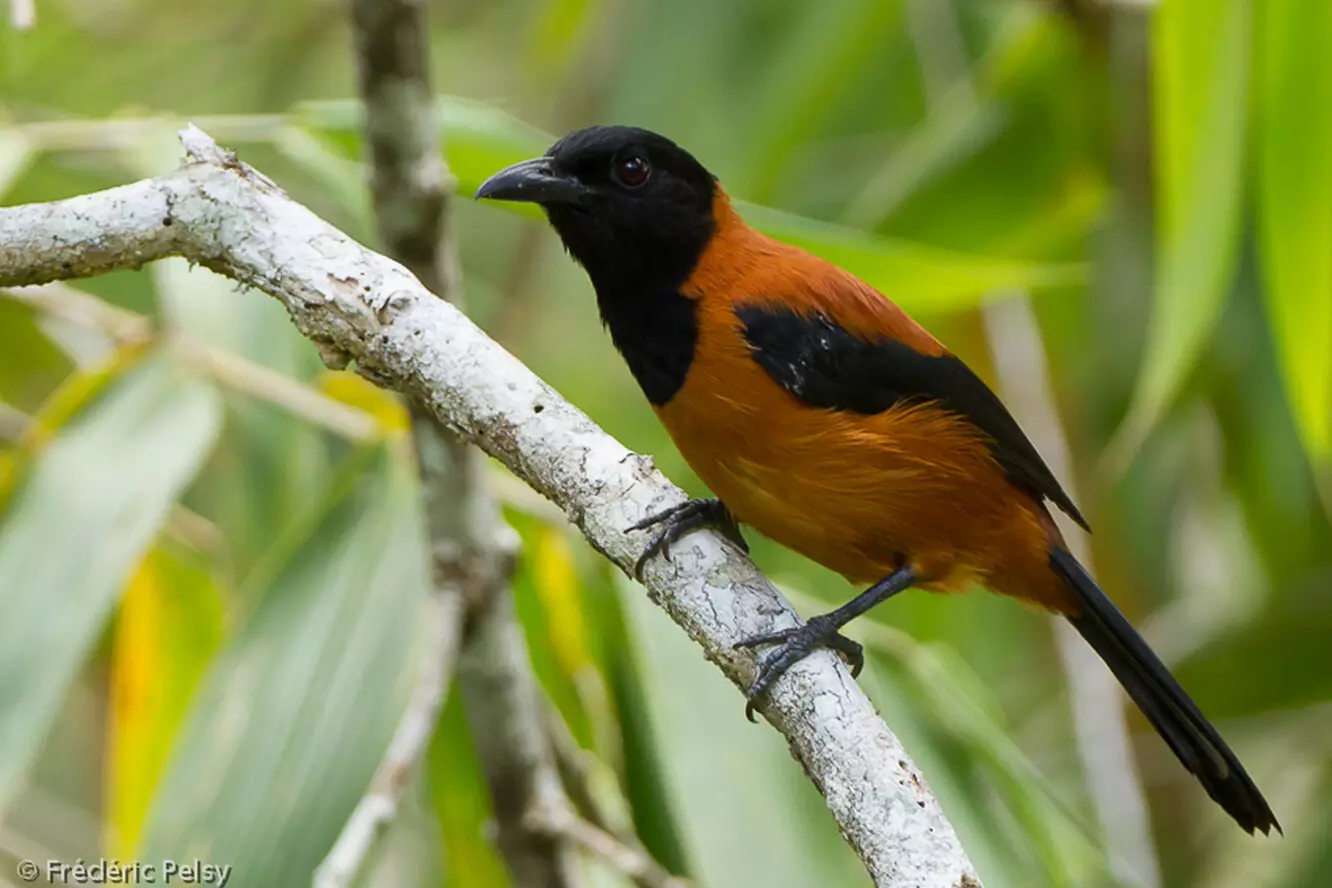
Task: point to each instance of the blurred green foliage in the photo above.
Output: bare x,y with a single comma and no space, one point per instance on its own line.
209,601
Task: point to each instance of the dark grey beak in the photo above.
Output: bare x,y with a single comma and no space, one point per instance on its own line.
532,181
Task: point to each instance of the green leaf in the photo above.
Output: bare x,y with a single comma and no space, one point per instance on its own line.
921,278
296,711
1263,665
169,625
547,600
1295,207
1201,53
954,132
30,363
82,517
462,803
832,42
632,754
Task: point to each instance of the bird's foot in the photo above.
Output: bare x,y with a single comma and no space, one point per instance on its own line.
796,644
680,520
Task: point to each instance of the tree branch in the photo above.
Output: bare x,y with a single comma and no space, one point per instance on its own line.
409,187
606,825
358,305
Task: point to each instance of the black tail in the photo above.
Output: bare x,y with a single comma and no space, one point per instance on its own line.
1194,741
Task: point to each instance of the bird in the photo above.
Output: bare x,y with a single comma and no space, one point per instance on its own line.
821,415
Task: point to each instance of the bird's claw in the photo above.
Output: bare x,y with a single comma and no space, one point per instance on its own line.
797,643
680,520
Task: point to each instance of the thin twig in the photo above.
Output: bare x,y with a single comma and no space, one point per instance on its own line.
227,217
23,14
83,308
595,792
634,863
229,368
280,390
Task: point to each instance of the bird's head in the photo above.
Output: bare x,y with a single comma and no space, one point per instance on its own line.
631,206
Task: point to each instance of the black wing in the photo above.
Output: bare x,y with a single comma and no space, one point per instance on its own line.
823,364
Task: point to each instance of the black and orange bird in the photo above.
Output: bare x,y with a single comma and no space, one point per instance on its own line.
824,417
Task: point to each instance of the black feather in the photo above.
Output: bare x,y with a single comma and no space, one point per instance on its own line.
1176,718
825,365
656,333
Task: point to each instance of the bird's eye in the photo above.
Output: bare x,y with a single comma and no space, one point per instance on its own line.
631,171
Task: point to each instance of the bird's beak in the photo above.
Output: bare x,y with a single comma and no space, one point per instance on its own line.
532,181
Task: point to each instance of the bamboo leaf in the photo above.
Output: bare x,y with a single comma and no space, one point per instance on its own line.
833,41
920,277
1030,837
462,804
1200,50
84,513
169,625
1295,207
296,711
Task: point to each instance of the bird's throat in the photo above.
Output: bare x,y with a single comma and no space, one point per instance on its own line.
655,330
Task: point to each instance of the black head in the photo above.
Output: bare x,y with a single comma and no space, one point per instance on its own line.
632,207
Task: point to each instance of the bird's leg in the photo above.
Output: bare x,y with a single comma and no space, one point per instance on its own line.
822,630
679,520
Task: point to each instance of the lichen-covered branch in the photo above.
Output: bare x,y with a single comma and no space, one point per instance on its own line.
359,305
